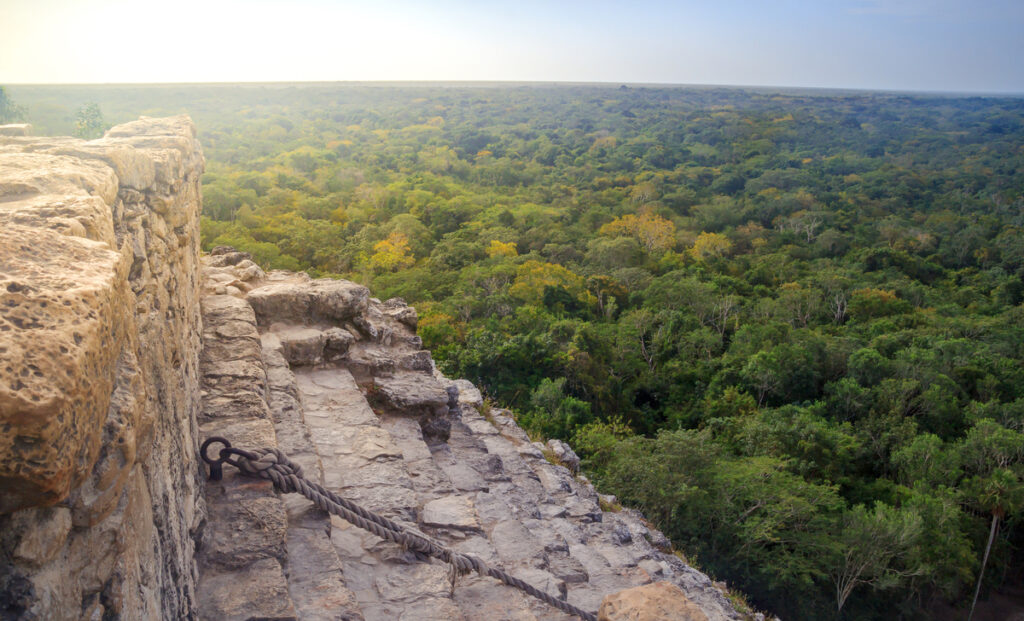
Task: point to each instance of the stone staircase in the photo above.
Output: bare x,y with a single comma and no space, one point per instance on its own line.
339,382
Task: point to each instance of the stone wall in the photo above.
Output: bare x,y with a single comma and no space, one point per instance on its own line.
100,496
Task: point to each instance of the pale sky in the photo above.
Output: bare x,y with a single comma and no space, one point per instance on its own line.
930,45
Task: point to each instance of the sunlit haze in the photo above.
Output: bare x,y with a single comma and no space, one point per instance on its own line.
937,45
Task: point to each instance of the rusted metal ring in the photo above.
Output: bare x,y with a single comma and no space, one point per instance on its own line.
216,465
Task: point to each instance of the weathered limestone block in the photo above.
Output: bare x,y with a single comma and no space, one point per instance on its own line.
223,256
564,453
16,129
660,601
134,168
412,394
468,393
128,427
64,307
417,361
300,345
79,216
322,300
99,385
260,591
338,343
415,395
25,174
401,312
46,531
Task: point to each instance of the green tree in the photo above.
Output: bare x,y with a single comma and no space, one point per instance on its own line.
995,456
10,112
89,122
874,546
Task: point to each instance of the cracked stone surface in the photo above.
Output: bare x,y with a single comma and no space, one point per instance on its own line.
380,426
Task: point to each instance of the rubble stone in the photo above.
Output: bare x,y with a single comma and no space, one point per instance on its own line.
660,601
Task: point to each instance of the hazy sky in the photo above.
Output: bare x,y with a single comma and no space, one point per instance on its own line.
945,45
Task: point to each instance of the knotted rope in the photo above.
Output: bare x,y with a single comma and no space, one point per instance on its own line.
287,477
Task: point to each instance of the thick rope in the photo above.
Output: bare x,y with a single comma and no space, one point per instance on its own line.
272,464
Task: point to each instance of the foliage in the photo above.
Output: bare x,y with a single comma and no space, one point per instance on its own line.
392,253
651,230
10,112
710,245
89,122
787,325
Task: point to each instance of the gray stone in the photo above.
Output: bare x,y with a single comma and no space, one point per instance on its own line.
315,580
451,512
621,533
415,582
333,301
514,542
567,569
300,345
397,309
543,580
258,591
530,450
416,361
652,567
564,454
338,342
468,393
412,394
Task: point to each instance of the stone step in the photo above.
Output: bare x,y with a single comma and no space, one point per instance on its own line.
316,579
477,492
515,510
354,399
364,463
242,554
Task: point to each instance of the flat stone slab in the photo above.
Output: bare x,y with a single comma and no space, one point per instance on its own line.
324,299
412,393
451,512
300,345
257,592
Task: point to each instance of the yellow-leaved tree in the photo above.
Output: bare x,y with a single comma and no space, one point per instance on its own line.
533,276
709,245
392,253
501,249
651,230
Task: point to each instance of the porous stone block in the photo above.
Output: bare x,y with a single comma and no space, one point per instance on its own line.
99,348
301,346
64,306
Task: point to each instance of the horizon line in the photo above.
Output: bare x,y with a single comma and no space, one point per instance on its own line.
464,83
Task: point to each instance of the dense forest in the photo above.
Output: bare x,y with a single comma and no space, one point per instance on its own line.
787,325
